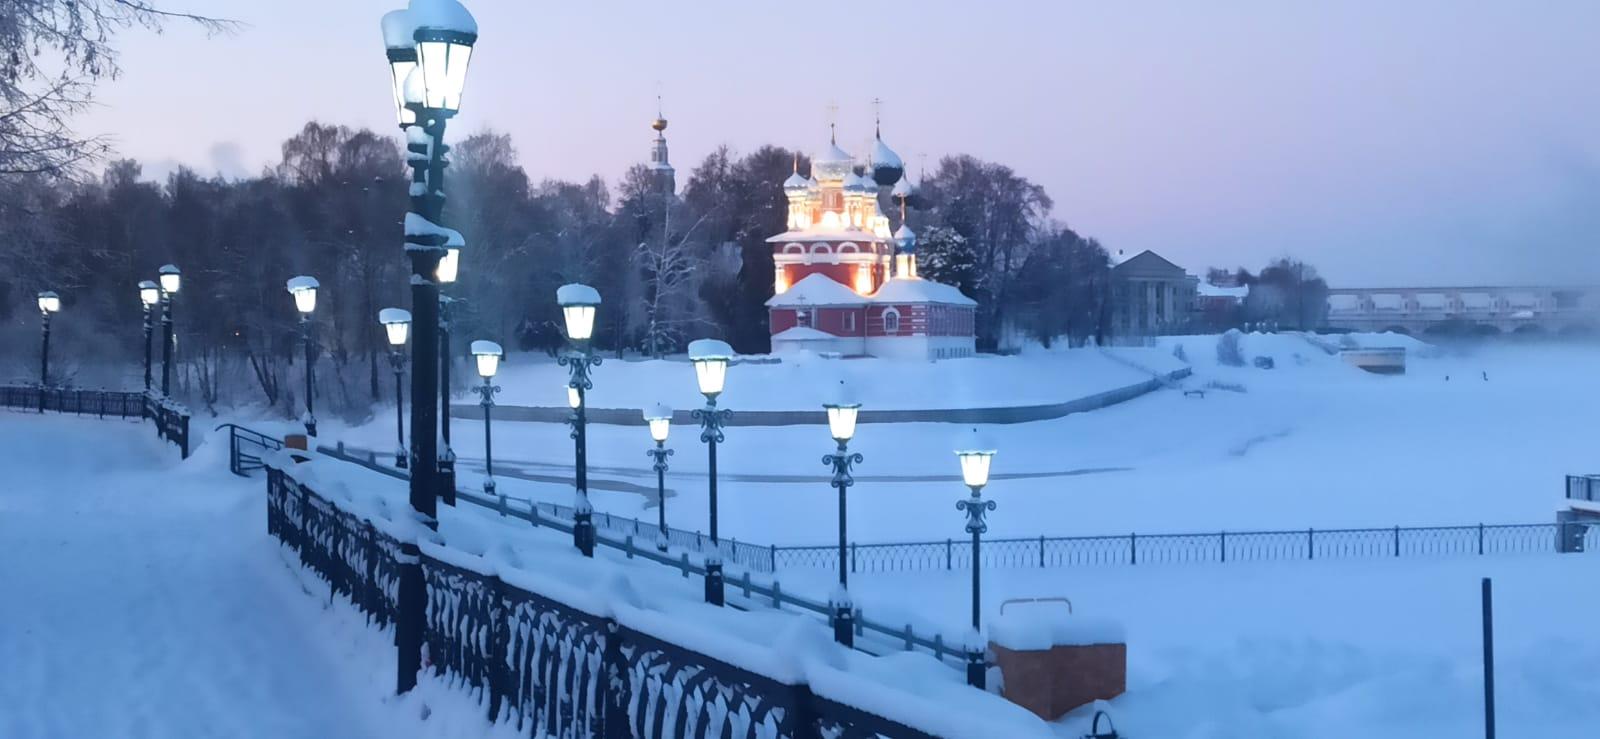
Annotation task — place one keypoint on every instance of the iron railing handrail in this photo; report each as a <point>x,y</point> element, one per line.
<point>170,418</point>
<point>739,579</point>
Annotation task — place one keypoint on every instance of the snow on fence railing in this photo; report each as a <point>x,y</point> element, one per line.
<point>685,552</point>
<point>590,665</point>
<point>170,418</point>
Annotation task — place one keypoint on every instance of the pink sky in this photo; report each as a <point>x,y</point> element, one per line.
<point>1422,142</point>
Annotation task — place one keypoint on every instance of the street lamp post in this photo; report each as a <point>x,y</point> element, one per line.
<point>49,304</point>
<point>428,49</point>
<point>304,290</point>
<point>488,355</point>
<point>842,413</point>
<point>149,297</point>
<point>578,306</point>
<point>447,456</point>
<point>975,458</point>
<point>659,418</point>
<point>170,279</point>
<point>710,358</point>
<point>396,324</point>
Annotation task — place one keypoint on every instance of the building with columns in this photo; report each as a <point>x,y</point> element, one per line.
<point>844,282</point>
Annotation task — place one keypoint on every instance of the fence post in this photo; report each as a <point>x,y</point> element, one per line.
<point>499,639</point>
<point>1480,538</point>
<point>852,557</point>
<point>772,558</point>
<point>1311,544</point>
<point>627,545</point>
<point>1133,549</point>
<point>777,594</point>
<point>1397,541</point>
<point>949,560</point>
<point>1223,547</point>
<point>1041,551</point>
<point>1488,659</point>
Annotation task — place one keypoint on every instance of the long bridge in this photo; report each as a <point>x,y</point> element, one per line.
<point>1562,310</point>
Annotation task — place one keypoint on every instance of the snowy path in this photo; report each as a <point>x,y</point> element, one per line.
<point>144,599</point>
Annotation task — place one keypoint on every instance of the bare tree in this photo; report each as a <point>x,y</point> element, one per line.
<point>52,52</point>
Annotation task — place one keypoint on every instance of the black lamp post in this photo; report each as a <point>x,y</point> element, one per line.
<point>396,324</point>
<point>578,306</point>
<point>428,55</point>
<point>710,358</point>
<point>488,355</point>
<point>304,290</point>
<point>659,419</point>
<point>842,425</point>
<point>49,304</point>
<point>446,273</point>
<point>975,459</point>
<point>149,297</point>
<point>171,280</point>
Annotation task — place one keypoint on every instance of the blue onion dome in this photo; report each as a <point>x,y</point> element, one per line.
<point>905,240</point>
<point>887,168</point>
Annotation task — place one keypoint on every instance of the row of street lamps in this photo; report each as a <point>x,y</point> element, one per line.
<point>428,47</point>
<point>151,294</point>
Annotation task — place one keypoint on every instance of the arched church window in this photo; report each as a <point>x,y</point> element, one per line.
<point>891,321</point>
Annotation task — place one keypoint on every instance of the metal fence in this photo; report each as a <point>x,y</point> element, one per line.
<point>551,668</point>
<point>170,418</point>
<point>1219,547</point>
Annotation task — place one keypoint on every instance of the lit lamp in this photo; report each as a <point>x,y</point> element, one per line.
<point>171,278</point>
<point>659,419</point>
<point>487,354</point>
<point>578,305</point>
<point>975,457</point>
<point>710,358</point>
<point>304,291</point>
<point>149,296</point>
<point>49,304</point>
<point>444,34</point>
<point>399,40</point>
<point>842,411</point>
<point>396,326</point>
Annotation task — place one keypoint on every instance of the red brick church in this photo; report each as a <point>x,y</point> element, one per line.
<point>845,283</point>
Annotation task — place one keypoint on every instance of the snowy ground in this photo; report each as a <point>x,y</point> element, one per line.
<point>143,598</point>
<point>1383,648</point>
<point>1311,443</point>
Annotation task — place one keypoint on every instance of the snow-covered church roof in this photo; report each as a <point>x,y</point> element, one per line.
<point>917,290</point>
<point>814,290</point>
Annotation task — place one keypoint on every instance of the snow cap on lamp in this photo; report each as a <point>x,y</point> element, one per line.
<point>488,355</point>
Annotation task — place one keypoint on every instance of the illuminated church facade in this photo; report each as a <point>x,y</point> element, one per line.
<point>845,283</point>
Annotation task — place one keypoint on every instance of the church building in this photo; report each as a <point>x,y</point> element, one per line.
<point>845,283</point>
